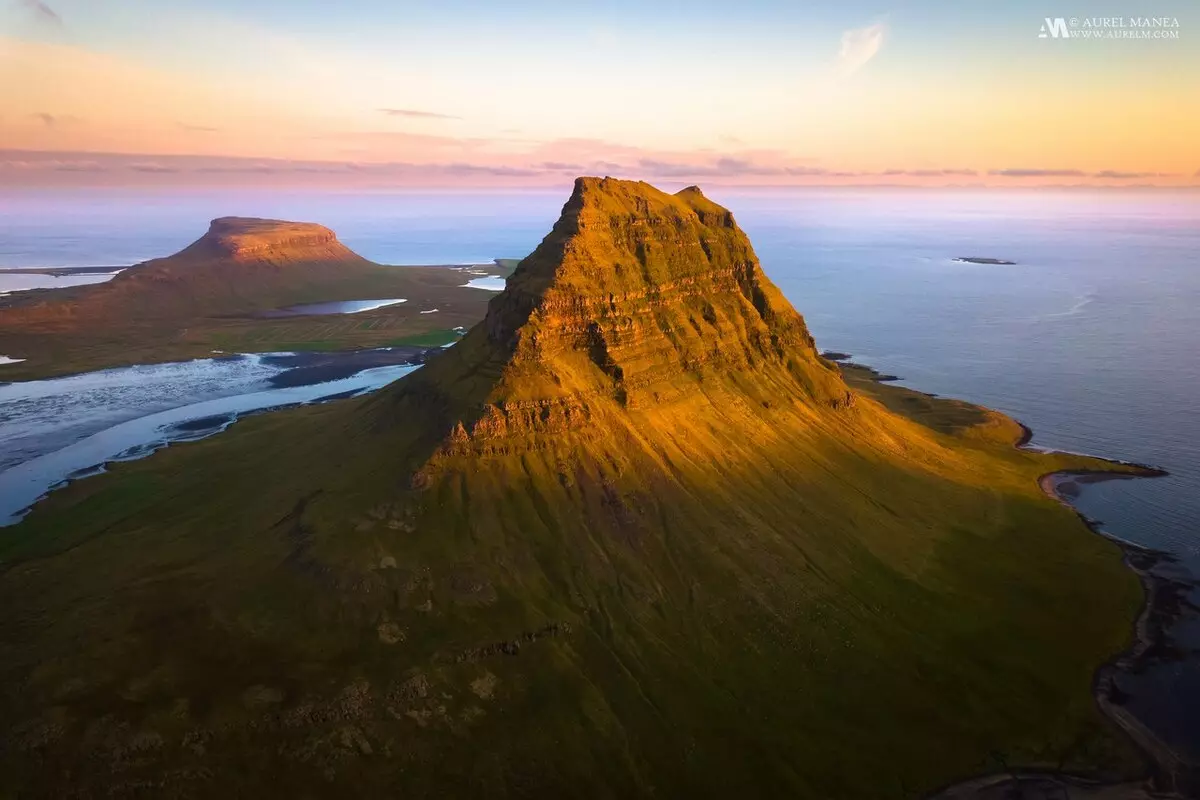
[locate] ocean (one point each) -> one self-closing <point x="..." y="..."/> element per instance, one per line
<point x="1090" y="338"/>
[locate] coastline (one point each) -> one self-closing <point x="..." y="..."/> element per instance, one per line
<point x="319" y="371"/>
<point x="1170" y="774"/>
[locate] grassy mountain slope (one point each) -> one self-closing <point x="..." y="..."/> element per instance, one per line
<point x="631" y="536"/>
<point x="211" y="295"/>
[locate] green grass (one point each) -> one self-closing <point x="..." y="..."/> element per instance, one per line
<point x="435" y="338"/>
<point x="818" y="647"/>
<point x="945" y="415"/>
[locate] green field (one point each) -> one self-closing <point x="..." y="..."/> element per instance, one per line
<point x="140" y="605"/>
<point x="49" y="351"/>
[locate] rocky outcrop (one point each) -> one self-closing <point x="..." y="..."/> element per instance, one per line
<point x="634" y="299"/>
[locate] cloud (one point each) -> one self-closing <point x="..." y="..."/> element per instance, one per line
<point x="859" y="45"/>
<point x="78" y="166"/>
<point x="43" y="12"/>
<point x="527" y="167"/>
<point x="151" y="166"/>
<point x="196" y="128"/>
<point x="412" y="113"/>
<point x="1118" y="175"/>
<point x="1016" y="172"/>
<point x="729" y="167"/>
<point x="55" y="120"/>
<point x="51" y="165"/>
<point x="927" y="173"/>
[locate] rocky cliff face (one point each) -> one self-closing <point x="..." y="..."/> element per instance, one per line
<point x="635" y="299"/>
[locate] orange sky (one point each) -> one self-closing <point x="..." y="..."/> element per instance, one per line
<point x="888" y="101"/>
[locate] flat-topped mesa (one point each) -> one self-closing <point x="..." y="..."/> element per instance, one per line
<point x="243" y="239"/>
<point x="240" y="265"/>
<point x="635" y="298"/>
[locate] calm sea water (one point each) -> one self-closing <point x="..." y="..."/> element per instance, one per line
<point x="1090" y="339"/>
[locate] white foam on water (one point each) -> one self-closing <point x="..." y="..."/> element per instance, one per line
<point x="10" y="283"/>
<point x="489" y="284"/>
<point x="337" y="307"/>
<point x="38" y="417"/>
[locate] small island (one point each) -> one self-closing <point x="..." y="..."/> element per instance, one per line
<point x="980" y="260"/>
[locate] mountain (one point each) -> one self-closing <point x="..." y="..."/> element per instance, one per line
<point x="240" y="265"/>
<point x="185" y="305"/>
<point x="631" y="536"/>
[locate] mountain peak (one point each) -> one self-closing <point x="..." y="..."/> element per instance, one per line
<point x="636" y="297"/>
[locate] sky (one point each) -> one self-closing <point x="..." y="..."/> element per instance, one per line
<point x="463" y="93"/>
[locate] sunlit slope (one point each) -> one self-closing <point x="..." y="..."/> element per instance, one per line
<point x="631" y="536"/>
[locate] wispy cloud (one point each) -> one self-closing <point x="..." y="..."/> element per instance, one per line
<point x="927" y="173"/>
<point x="54" y="120"/>
<point x="152" y="166"/>
<point x="765" y="167"/>
<point x="183" y="126"/>
<point x="412" y="113"/>
<point x="44" y="13"/>
<point x="729" y="167"/>
<point x="1020" y="172"/>
<point x="859" y="45"/>
<point x="1119" y="175"/>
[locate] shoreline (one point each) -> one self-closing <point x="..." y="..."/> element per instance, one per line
<point x="297" y="371"/>
<point x="1170" y="774"/>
